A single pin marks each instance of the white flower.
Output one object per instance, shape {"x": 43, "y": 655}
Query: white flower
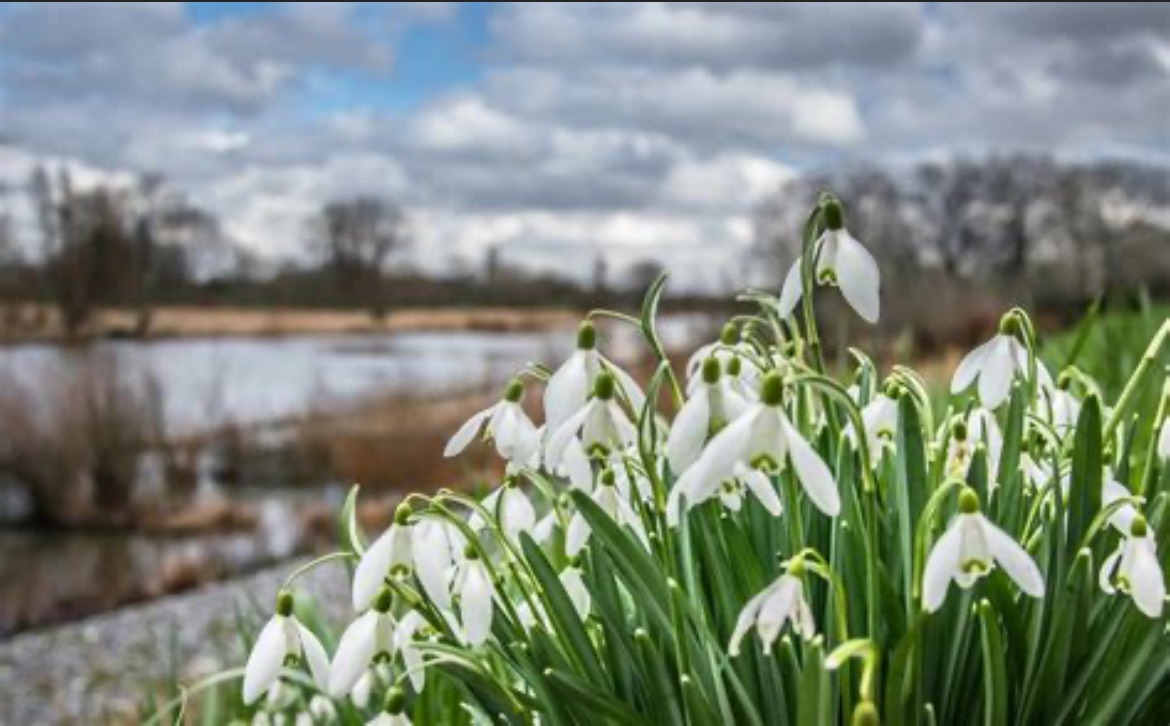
{"x": 476, "y": 593}
{"x": 363, "y": 689}
{"x": 1059, "y": 407}
{"x": 609, "y": 499}
{"x": 995, "y": 364}
{"x": 1164, "y": 440}
{"x": 436, "y": 545}
{"x": 512, "y": 509}
{"x": 281, "y": 637}
{"x": 781, "y": 602}
{"x": 366, "y": 638}
{"x": 727, "y": 347}
{"x": 570, "y": 386}
{"x": 603, "y": 426}
{"x": 574, "y": 584}
{"x": 842, "y": 261}
{"x": 389, "y": 719}
{"x": 762, "y": 437}
{"x": 967, "y": 551}
{"x": 1134, "y": 569}
{"x": 1040, "y": 474}
{"x": 390, "y": 553}
{"x": 409, "y": 627}
{"x": 1111, "y": 491}
{"x": 978, "y": 427}
{"x": 713, "y": 405}
{"x": 392, "y": 714}
{"x": 730, "y": 492}
{"x": 880, "y": 418}
{"x": 514, "y": 434}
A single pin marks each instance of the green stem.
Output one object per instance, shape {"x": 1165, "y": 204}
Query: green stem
{"x": 1136, "y": 381}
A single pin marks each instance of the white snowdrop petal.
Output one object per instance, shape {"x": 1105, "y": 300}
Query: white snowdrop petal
{"x": 575, "y": 588}
{"x": 791, "y": 291}
{"x": 970, "y": 367}
{"x": 374, "y": 565}
{"x": 689, "y": 431}
{"x": 265, "y": 660}
{"x": 814, "y": 475}
{"x": 315, "y": 654}
{"x": 996, "y": 378}
{"x": 941, "y": 565}
{"x": 467, "y": 432}
{"x": 858, "y": 277}
{"x": 1146, "y": 582}
{"x": 1164, "y": 440}
{"x": 516, "y": 513}
{"x": 761, "y": 486}
{"x": 554, "y": 450}
{"x": 577, "y": 535}
{"x": 355, "y": 650}
{"x": 745, "y": 621}
{"x": 1108, "y": 568}
{"x": 566, "y": 391}
{"x": 476, "y": 604}
{"x": 577, "y": 467}
{"x": 431, "y": 549}
{"x": 626, "y": 383}
{"x": 1013, "y": 558}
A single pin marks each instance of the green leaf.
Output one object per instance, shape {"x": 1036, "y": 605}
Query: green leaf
{"x": 564, "y": 616}
{"x": 585, "y": 700}
{"x": 1084, "y": 499}
{"x": 813, "y": 706}
{"x": 995, "y": 682}
{"x": 910, "y": 488}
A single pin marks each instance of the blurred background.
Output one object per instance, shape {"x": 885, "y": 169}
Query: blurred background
{"x": 252, "y": 253}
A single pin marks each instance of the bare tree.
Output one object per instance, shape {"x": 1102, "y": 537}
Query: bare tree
{"x": 356, "y": 238}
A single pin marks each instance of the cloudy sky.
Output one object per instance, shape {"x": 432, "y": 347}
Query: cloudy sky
{"x": 556, "y": 131}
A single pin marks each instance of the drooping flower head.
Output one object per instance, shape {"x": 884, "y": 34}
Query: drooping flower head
{"x": 1134, "y": 569}
{"x": 780, "y": 603}
{"x": 841, "y": 261}
{"x": 713, "y": 405}
{"x": 571, "y": 385}
{"x": 505, "y": 422}
{"x": 761, "y": 438}
{"x": 283, "y": 640}
{"x": 601, "y": 425}
{"x": 995, "y": 364}
{"x": 969, "y": 549}
{"x": 368, "y": 638}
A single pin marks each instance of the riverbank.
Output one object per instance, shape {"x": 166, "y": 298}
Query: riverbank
{"x": 96, "y": 671}
{"x": 32, "y": 322}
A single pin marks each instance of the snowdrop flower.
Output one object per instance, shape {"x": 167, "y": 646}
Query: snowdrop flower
{"x": 475, "y": 599}
{"x": 1039, "y": 474}
{"x": 514, "y": 434}
{"x": 390, "y": 554}
{"x": 995, "y": 364}
{"x": 610, "y": 501}
{"x": 880, "y": 418}
{"x": 841, "y": 261}
{"x": 574, "y": 584}
{"x": 710, "y": 408}
{"x": 780, "y": 603}
{"x": 512, "y": 509}
{"x": 368, "y": 638}
{"x": 761, "y": 438}
{"x": 731, "y": 492}
{"x": 570, "y": 386}
{"x": 603, "y": 426}
{"x": 723, "y": 350}
{"x": 978, "y": 427}
{"x": 967, "y": 551}
{"x": 1134, "y": 570}
{"x": 1059, "y": 407}
{"x": 411, "y": 626}
{"x": 281, "y": 638}
{"x": 392, "y": 713}
{"x": 1164, "y": 440}
{"x": 435, "y": 544}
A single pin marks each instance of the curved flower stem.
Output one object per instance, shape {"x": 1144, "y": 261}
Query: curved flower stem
{"x": 1126, "y": 399}
{"x": 314, "y": 563}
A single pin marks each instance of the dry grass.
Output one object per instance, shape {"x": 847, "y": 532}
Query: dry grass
{"x": 29, "y": 322}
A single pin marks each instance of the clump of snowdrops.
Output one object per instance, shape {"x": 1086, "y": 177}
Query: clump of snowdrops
{"x": 753, "y": 540}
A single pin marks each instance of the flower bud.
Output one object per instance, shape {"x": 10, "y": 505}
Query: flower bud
{"x": 734, "y": 367}
{"x": 402, "y": 514}
{"x": 865, "y": 714}
{"x": 968, "y": 501}
{"x": 604, "y": 387}
{"x": 284, "y": 603}
{"x": 586, "y": 336}
{"x": 470, "y": 552}
{"x": 834, "y": 215}
{"x": 515, "y": 391}
{"x": 608, "y": 478}
{"x": 711, "y": 371}
{"x": 395, "y": 701}
{"x": 1009, "y": 324}
{"x": 729, "y": 335}
{"x": 771, "y": 389}
{"x": 1138, "y": 526}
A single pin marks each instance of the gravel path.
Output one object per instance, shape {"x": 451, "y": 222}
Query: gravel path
{"x": 94, "y": 671}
